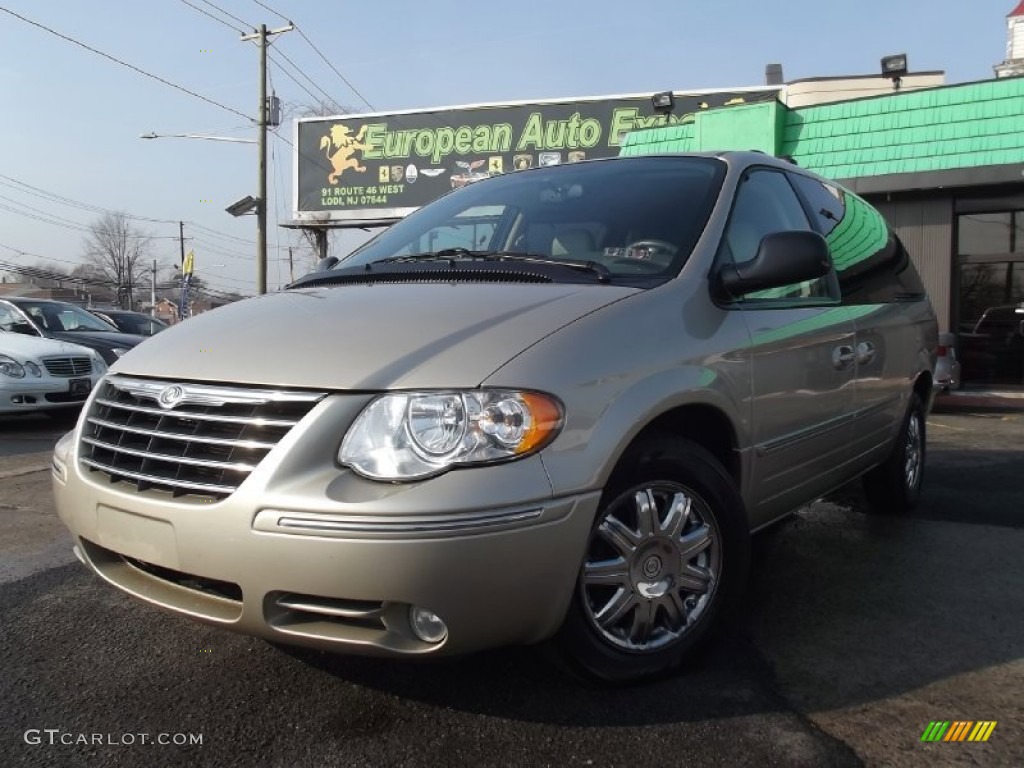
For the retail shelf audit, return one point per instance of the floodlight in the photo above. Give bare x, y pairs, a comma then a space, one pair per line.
246, 205
663, 102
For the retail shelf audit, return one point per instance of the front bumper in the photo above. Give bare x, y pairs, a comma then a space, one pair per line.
32, 394
310, 554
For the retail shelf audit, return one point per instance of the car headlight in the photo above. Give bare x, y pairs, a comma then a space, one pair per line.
99, 365
33, 369
118, 351
11, 367
409, 436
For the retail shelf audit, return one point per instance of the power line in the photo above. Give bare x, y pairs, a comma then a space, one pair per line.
54, 219
292, 77
328, 63
124, 63
42, 219
268, 8
318, 53
54, 197
21, 252
229, 15
330, 99
210, 15
72, 203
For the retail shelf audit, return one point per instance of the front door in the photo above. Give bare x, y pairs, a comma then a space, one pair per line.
802, 359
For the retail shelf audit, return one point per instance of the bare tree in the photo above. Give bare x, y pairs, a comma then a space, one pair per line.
118, 253
308, 253
318, 109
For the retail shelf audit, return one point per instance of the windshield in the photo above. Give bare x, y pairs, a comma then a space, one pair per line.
636, 217
52, 317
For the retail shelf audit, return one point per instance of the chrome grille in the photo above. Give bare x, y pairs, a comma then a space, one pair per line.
185, 438
68, 366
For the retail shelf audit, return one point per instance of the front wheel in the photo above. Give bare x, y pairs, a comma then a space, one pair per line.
895, 485
668, 550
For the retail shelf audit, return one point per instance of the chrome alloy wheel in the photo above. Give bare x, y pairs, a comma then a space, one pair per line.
652, 566
912, 452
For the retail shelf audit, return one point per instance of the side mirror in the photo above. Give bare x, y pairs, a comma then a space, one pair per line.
783, 258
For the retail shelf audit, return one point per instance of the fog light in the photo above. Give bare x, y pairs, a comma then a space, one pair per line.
427, 626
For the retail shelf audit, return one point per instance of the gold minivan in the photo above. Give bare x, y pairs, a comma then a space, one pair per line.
550, 406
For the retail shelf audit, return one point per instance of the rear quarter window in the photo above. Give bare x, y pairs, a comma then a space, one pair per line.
871, 262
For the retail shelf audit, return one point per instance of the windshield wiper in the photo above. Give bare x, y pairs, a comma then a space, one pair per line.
452, 255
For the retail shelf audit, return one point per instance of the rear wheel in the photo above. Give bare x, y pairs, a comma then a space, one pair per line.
668, 550
895, 485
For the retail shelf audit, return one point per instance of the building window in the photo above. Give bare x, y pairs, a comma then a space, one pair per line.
984, 234
990, 276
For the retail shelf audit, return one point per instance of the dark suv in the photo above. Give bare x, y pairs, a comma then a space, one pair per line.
68, 322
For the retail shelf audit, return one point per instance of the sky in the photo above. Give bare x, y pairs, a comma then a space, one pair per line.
72, 119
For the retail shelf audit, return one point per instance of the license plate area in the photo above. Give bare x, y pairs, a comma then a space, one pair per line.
80, 386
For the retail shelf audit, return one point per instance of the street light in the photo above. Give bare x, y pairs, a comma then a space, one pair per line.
152, 135
247, 203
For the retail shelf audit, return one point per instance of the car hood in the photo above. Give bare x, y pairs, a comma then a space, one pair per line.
106, 339
22, 347
367, 337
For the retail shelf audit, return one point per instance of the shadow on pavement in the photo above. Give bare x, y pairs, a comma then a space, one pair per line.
520, 684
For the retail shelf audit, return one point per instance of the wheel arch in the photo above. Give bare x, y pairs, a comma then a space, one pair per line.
924, 388
701, 423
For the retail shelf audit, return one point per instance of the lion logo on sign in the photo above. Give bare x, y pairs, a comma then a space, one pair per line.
346, 145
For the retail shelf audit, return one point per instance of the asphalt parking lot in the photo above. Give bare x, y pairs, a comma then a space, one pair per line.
33, 432
857, 632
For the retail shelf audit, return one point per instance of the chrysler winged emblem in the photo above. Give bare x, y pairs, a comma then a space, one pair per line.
170, 396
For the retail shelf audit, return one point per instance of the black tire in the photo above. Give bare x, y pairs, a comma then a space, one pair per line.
673, 627
892, 487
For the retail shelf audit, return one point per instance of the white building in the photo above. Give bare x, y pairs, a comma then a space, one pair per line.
1014, 64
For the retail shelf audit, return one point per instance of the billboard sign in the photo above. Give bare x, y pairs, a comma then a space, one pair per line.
373, 167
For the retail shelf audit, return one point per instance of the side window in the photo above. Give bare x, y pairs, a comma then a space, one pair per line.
12, 321
766, 203
826, 202
872, 265
7, 318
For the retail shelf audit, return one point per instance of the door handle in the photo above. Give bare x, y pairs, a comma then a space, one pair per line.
865, 353
843, 356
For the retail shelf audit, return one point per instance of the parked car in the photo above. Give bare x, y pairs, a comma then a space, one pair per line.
68, 322
414, 454
993, 349
947, 367
127, 321
44, 374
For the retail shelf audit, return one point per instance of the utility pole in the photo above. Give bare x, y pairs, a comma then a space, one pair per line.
262, 110
152, 290
181, 241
